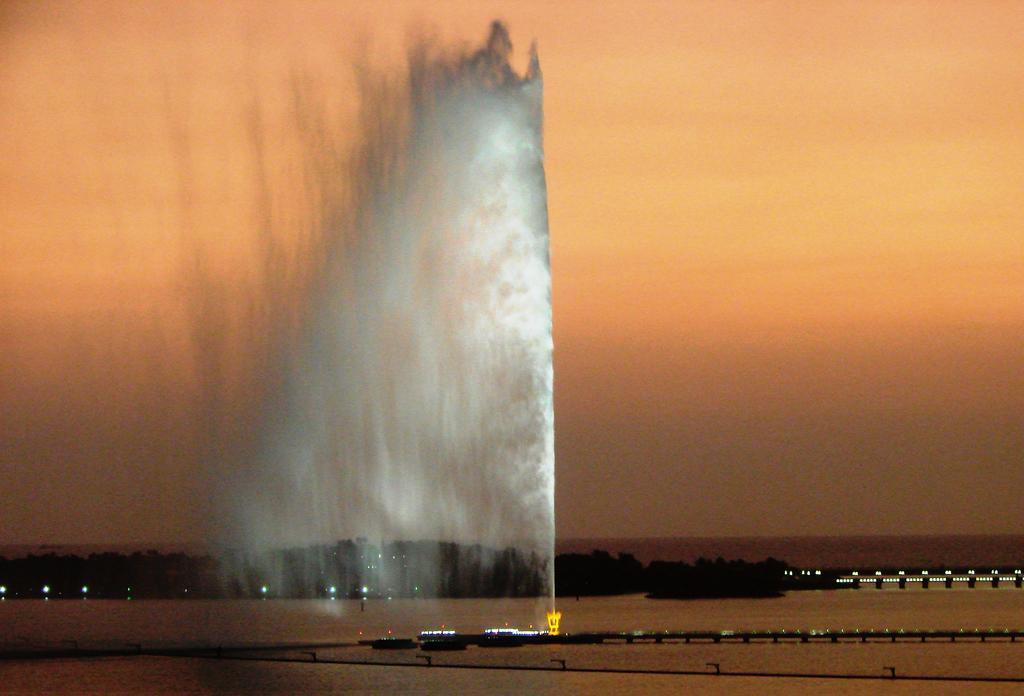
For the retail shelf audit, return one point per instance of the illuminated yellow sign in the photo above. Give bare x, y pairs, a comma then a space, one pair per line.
554, 618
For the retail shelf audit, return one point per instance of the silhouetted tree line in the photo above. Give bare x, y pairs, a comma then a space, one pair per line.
357, 569
718, 578
100, 575
599, 573
347, 569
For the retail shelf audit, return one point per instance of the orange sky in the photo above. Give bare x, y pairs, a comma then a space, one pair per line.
787, 247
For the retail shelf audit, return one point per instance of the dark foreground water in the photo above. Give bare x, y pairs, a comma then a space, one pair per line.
172, 622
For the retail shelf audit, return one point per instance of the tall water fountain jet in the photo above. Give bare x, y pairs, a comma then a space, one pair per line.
416, 402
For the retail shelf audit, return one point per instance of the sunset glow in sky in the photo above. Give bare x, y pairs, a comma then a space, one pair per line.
787, 251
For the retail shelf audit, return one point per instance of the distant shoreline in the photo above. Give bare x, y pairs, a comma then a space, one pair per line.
860, 551
358, 569
818, 551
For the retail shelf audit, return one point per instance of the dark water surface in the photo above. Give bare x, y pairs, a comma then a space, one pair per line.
177, 622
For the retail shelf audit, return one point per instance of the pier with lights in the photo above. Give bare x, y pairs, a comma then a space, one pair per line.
511, 637
948, 578
447, 639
